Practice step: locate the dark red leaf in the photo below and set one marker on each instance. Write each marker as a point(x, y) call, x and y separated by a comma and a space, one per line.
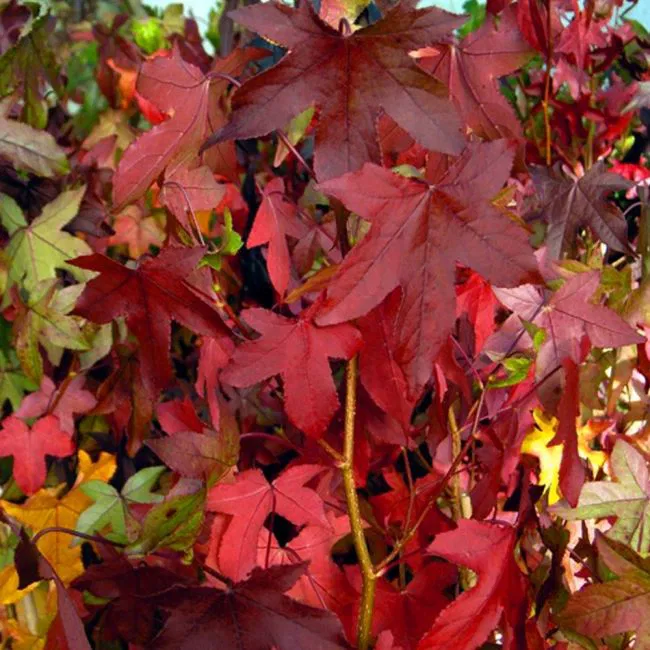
point(350, 77)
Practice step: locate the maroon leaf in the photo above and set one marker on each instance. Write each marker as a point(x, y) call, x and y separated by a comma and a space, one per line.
point(419, 232)
point(254, 614)
point(150, 297)
point(568, 204)
point(471, 69)
point(350, 77)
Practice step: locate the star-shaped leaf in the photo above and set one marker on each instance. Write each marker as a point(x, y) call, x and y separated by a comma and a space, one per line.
point(36, 250)
point(626, 498)
point(190, 97)
point(567, 317)
point(250, 500)
point(570, 203)
point(69, 399)
point(419, 233)
point(498, 598)
point(110, 507)
point(150, 297)
point(350, 77)
point(253, 614)
point(45, 509)
point(617, 605)
point(30, 445)
point(137, 230)
point(45, 320)
point(298, 351)
point(471, 69)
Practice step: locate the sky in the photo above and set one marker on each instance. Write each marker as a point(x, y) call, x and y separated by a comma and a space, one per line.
point(201, 8)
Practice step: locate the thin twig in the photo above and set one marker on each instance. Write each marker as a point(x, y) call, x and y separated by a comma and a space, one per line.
point(547, 83)
point(288, 144)
point(74, 533)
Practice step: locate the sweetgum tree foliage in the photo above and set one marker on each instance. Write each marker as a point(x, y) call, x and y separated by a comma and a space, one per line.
point(336, 339)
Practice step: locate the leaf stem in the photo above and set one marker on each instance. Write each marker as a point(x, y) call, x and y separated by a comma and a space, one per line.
point(364, 624)
point(289, 145)
point(547, 84)
point(74, 533)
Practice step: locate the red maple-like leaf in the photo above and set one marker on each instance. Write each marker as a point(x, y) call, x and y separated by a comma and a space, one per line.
point(253, 614)
point(572, 471)
point(406, 612)
point(350, 77)
point(276, 218)
point(298, 351)
point(580, 36)
point(499, 598)
point(150, 297)
point(471, 69)
point(323, 582)
point(250, 500)
point(29, 446)
point(182, 91)
point(214, 356)
point(379, 368)
point(419, 232)
point(567, 204)
point(476, 299)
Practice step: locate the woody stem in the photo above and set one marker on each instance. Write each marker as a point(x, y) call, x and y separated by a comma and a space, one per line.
point(547, 86)
point(368, 574)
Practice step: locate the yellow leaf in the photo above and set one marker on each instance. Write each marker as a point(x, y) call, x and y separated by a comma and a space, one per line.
point(45, 510)
point(102, 470)
point(31, 618)
point(21, 638)
point(9, 592)
point(550, 458)
point(535, 444)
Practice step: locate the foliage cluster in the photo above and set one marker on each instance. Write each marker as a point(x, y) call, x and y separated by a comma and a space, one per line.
point(335, 338)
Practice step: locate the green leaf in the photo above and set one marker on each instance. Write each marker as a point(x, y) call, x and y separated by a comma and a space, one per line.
point(30, 149)
point(23, 66)
point(148, 34)
point(173, 19)
point(108, 510)
point(173, 524)
point(536, 333)
point(111, 507)
point(13, 384)
point(627, 499)
point(231, 241)
point(516, 368)
point(45, 320)
point(476, 11)
point(36, 250)
point(138, 488)
point(408, 171)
